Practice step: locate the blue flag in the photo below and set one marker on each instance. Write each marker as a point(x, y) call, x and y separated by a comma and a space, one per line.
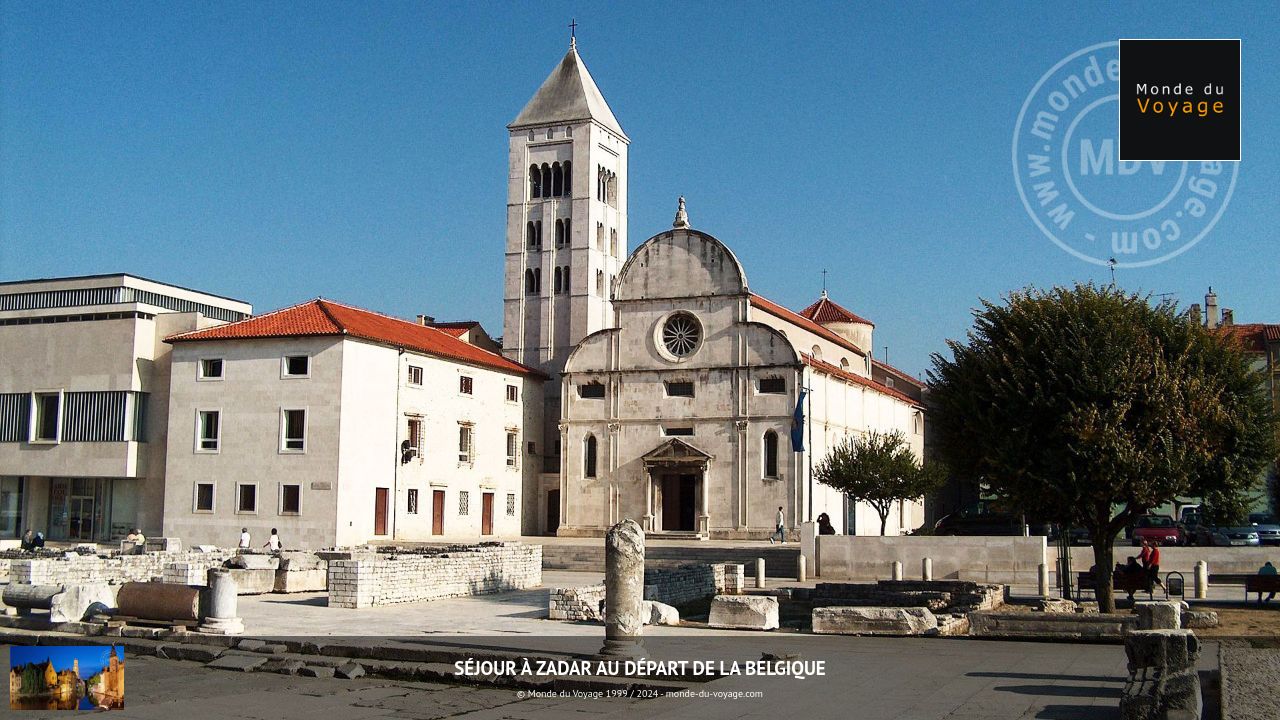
point(797, 424)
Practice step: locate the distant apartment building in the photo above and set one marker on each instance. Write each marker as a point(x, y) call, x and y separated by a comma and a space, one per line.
point(84, 399)
point(337, 426)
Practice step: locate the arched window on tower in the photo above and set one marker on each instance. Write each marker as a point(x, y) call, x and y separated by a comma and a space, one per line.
point(535, 182)
point(568, 238)
point(531, 233)
point(613, 242)
point(537, 226)
point(557, 282)
point(559, 233)
point(537, 281)
point(589, 457)
point(557, 180)
point(528, 282)
point(568, 177)
point(546, 180)
point(600, 283)
point(770, 454)
point(566, 279)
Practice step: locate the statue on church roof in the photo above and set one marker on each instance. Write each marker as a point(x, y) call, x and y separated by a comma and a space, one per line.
point(682, 218)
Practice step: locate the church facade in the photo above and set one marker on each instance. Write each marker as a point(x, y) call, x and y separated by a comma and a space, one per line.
point(679, 397)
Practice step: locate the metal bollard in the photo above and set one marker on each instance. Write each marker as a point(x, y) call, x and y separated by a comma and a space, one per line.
point(926, 569)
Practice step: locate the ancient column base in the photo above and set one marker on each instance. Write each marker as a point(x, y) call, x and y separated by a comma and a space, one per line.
point(629, 648)
point(222, 626)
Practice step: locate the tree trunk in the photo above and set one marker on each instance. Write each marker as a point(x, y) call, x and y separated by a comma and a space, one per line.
point(884, 519)
point(1103, 560)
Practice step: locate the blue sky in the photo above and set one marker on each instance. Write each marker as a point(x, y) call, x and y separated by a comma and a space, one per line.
point(276, 152)
point(92, 657)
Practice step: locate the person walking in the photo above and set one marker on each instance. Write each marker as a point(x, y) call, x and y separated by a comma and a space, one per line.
point(1150, 558)
point(780, 530)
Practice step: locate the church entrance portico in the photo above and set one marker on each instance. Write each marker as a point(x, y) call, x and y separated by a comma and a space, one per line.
point(676, 496)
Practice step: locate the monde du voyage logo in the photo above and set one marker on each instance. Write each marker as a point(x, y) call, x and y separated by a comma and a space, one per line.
point(1107, 198)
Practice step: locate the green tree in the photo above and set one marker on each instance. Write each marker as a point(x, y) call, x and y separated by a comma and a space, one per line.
point(1089, 406)
point(878, 469)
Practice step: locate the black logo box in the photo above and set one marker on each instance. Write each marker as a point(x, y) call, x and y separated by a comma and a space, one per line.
point(1187, 68)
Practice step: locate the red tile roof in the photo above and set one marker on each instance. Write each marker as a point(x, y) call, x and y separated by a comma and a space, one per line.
point(326, 317)
point(901, 374)
point(790, 316)
point(456, 329)
point(825, 311)
point(1253, 336)
point(826, 367)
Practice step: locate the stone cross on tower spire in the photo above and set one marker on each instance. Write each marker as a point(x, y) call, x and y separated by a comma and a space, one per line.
point(682, 218)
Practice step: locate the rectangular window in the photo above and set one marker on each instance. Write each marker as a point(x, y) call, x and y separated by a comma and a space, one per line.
point(246, 497)
point(290, 499)
point(773, 385)
point(415, 375)
point(888, 382)
point(533, 448)
point(679, 388)
point(413, 441)
point(293, 431)
point(465, 384)
point(47, 414)
point(464, 502)
point(204, 498)
point(677, 431)
point(210, 369)
point(465, 444)
point(208, 430)
point(513, 393)
point(296, 366)
point(511, 504)
point(412, 507)
point(593, 390)
point(513, 448)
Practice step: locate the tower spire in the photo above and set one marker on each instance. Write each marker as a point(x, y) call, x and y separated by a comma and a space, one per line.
point(682, 217)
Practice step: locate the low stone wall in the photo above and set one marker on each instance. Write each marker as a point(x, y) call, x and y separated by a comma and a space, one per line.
point(581, 603)
point(1005, 560)
point(936, 595)
point(1106, 627)
point(387, 579)
point(83, 569)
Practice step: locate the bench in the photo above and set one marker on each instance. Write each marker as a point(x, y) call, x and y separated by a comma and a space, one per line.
point(1120, 582)
point(1261, 584)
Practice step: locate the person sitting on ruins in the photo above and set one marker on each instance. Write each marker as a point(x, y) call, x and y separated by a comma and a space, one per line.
point(1268, 570)
point(138, 541)
point(38, 542)
point(824, 525)
point(1131, 569)
point(246, 541)
point(29, 540)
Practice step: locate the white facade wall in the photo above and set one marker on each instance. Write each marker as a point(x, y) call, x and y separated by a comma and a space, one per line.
point(358, 400)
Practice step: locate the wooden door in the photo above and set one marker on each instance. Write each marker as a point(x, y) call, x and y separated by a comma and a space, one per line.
point(486, 514)
point(553, 511)
point(437, 512)
point(380, 496)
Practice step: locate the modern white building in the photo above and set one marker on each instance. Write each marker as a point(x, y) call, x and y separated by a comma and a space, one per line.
point(338, 426)
point(84, 399)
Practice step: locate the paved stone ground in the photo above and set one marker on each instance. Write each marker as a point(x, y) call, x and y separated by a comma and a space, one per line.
point(869, 679)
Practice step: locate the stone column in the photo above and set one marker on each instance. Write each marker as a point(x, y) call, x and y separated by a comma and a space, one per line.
point(1202, 580)
point(759, 572)
point(1042, 578)
point(624, 589)
point(897, 570)
point(926, 569)
point(221, 618)
point(801, 575)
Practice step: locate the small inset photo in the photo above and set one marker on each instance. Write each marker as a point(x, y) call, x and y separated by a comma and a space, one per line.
point(1180, 100)
point(70, 677)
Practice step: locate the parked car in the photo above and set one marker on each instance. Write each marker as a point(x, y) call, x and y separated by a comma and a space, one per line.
point(985, 518)
point(1268, 528)
point(1078, 535)
point(1160, 529)
point(1191, 521)
point(1207, 534)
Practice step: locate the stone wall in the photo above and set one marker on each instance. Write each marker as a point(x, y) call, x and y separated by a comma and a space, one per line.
point(1006, 560)
point(84, 569)
point(674, 586)
point(387, 579)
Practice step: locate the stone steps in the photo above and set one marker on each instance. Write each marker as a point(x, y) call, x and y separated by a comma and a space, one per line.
point(780, 562)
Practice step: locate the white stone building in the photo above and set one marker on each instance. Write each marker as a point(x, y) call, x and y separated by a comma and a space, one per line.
point(695, 442)
point(338, 425)
point(84, 399)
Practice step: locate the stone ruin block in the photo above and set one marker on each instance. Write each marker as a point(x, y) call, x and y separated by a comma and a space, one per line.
point(1158, 615)
point(744, 612)
point(848, 620)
